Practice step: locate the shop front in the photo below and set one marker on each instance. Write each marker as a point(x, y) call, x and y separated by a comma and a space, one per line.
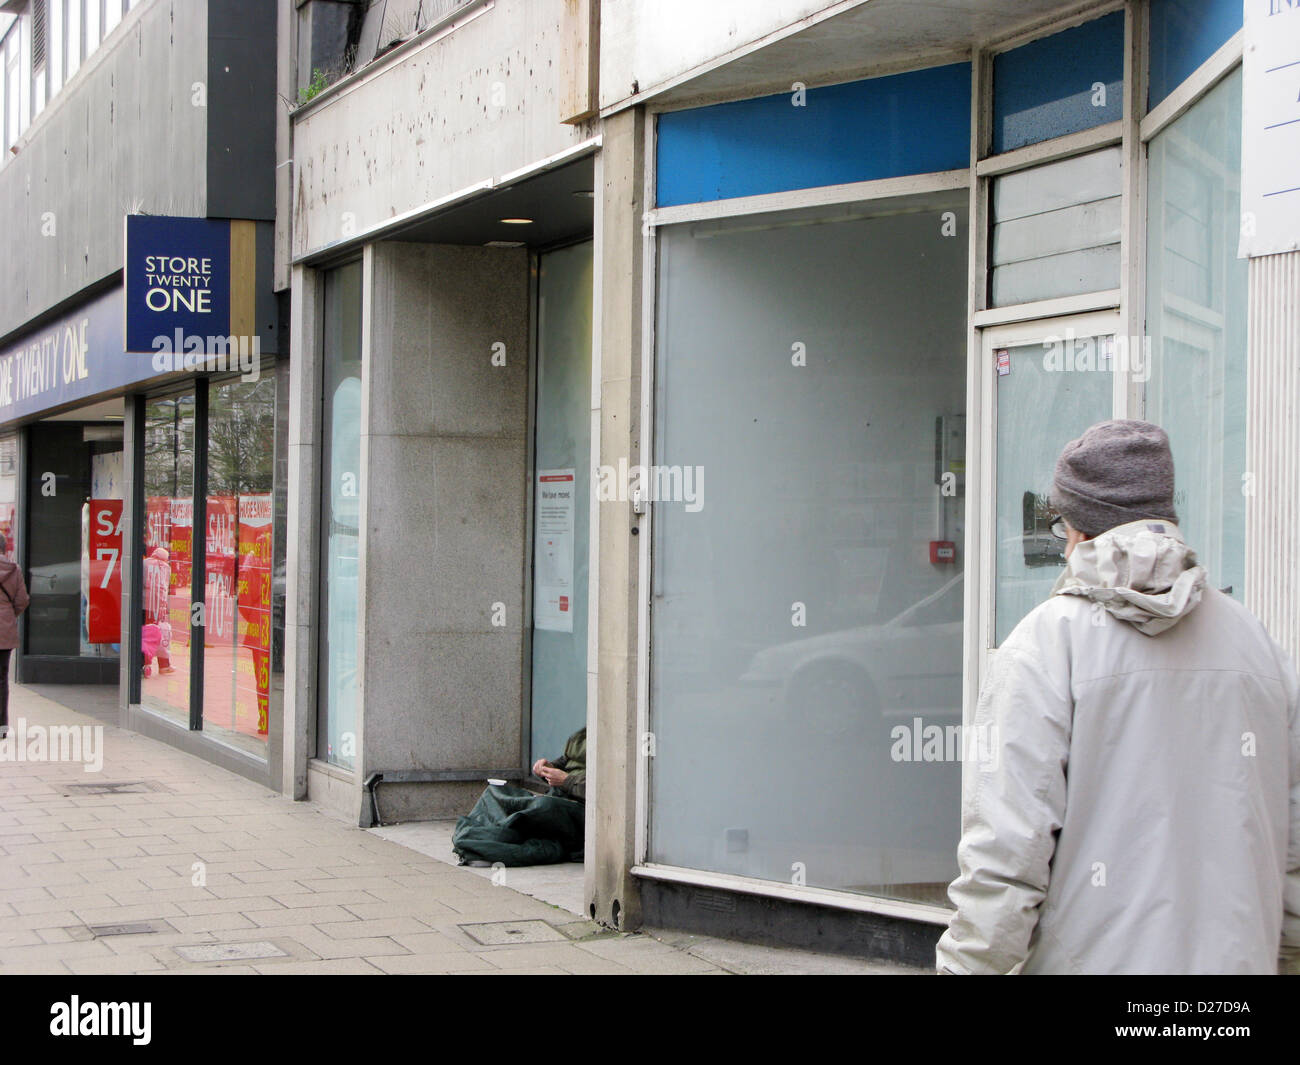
point(447, 486)
point(63, 487)
point(878, 310)
point(138, 490)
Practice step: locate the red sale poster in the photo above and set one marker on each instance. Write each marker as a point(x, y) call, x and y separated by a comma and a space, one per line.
point(219, 575)
point(104, 612)
point(180, 516)
point(254, 569)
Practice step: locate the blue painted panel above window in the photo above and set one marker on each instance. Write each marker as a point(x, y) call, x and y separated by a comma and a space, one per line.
point(1070, 81)
point(913, 123)
point(1184, 34)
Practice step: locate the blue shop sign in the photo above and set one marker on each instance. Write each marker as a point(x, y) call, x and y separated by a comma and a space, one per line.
point(73, 357)
point(177, 280)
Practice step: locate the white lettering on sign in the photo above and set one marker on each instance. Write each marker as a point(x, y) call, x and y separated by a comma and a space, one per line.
point(45, 363)
point(178, 283)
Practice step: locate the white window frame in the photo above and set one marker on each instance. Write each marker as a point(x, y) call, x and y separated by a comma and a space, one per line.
point(738, 207)
point(981, 638)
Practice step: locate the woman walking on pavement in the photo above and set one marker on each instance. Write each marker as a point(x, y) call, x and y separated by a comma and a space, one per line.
point(13, 601)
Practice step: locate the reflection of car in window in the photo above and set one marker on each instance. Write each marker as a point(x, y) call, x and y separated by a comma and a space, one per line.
point(846, 680)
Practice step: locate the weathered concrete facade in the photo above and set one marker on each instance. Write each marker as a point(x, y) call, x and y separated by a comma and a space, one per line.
point(474, 103)
point(158, 121)
point(402, 164)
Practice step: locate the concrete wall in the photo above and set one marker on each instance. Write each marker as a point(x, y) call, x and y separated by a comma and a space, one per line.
point(444, 448)
point(431, 119)
point(645, 43)
point(174, 114)
point(300, 608)
point(124, 134)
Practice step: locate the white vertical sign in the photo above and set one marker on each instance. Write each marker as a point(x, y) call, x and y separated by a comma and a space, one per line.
point(1270, 133)
point(553, 550)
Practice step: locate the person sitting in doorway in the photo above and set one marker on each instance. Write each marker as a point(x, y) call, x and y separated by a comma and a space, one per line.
point(566, 776)
point(510, 825)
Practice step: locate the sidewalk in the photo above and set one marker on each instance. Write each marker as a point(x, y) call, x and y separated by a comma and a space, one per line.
point(163, 863)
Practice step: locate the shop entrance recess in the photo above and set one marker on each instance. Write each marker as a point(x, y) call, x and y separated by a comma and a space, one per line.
point(1043, 383)
point(561, 499)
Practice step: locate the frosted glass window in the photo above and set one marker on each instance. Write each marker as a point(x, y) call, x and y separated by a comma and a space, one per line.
point(1196, 317)
point(1055, 389)
point(340, 516)
point(1056, 229)
point(810, 396)
point(563, 455)
point(1183, 34)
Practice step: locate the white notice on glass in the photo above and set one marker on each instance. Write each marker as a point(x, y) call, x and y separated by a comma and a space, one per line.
point(553, 558)
point(1270, 170)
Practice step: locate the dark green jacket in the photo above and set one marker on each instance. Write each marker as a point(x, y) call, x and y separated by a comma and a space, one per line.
point(573, 762)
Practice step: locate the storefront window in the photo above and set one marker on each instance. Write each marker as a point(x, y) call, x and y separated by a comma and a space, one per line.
point(1196, 317)
point(238, 566)
point(101, 544)
point(74, 564)
point(9, 495)
point(340, 515)
point(561, 498)
point(169, 439)
point(807, 561)
point(1048, 392)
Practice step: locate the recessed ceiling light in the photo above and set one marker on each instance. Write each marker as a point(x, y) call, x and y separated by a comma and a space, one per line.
point(586, 194)
point(505, 244)
point(517, 221)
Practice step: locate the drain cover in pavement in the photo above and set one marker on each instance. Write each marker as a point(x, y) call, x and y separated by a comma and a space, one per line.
point(132, 928)
point(231, 951)
point(113, 787)
point(499, 933)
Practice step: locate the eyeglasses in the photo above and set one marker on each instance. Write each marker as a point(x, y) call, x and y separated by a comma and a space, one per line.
point(1057, 525)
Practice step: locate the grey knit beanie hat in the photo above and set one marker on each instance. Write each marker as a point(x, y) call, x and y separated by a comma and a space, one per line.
point(1116, 472)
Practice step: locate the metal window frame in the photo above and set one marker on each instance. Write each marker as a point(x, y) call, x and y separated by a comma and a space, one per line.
point(1016, 334)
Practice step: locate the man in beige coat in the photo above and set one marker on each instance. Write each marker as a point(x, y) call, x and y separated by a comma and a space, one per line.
point(1143, 813)
point(13, 601)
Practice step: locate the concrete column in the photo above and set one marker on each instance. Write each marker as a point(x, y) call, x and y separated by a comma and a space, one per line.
point(303, 535)
point(444, 495)
point(611, 892)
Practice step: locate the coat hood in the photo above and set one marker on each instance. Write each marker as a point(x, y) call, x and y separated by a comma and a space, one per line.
point(1140, 572)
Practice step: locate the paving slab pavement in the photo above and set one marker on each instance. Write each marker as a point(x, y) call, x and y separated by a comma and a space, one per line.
point(163, 863)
